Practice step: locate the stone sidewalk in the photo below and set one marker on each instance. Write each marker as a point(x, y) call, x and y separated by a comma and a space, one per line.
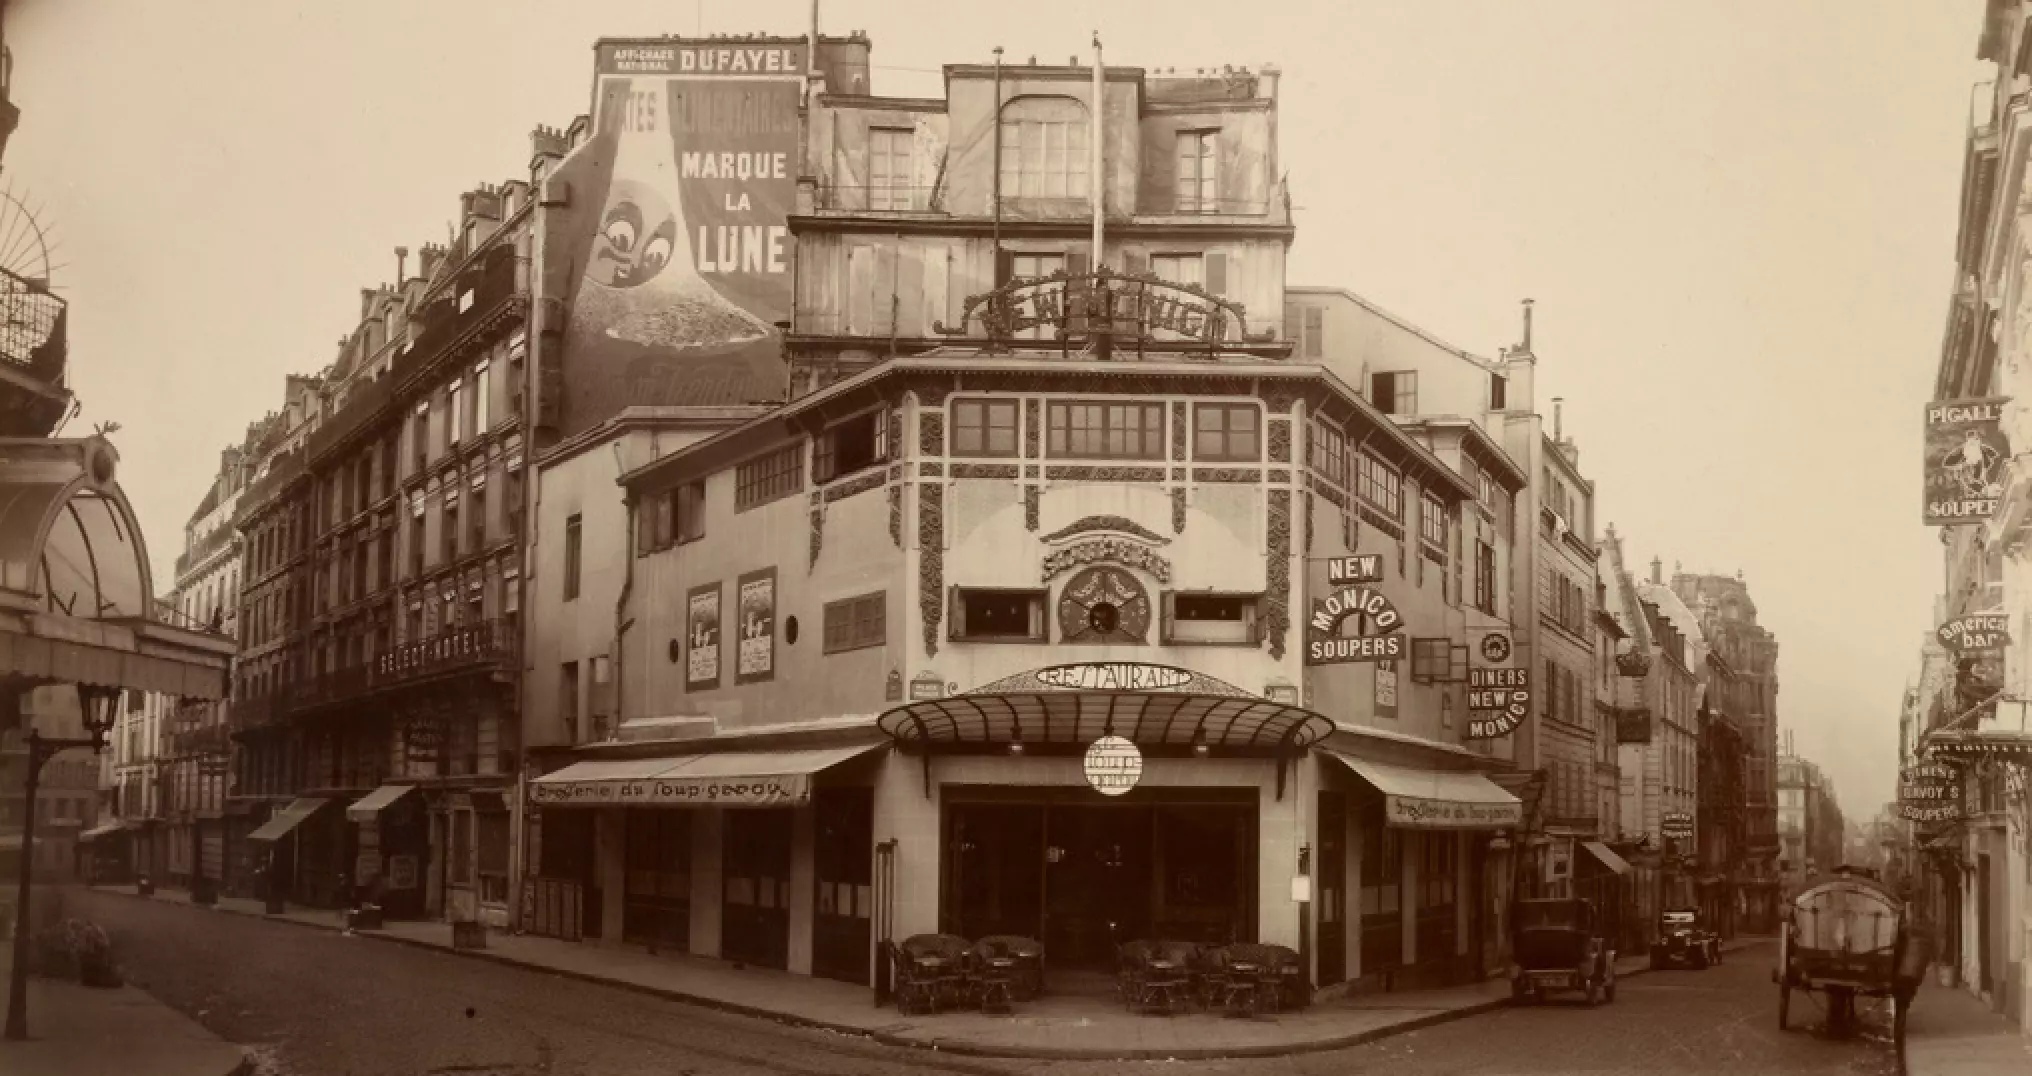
point(79, 1031)
point(1058, 1026)
point(1950, 1032)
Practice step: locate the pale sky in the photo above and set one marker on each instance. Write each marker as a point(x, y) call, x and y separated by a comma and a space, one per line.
point(1737, 219)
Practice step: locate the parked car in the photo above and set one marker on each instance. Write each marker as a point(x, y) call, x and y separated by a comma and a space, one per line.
point(1559, 946)
point(1684, 940)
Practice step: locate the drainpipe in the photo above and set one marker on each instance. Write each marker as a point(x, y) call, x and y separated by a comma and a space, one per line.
point(621, 625)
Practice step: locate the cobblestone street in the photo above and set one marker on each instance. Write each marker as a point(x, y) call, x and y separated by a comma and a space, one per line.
point(380, 1008)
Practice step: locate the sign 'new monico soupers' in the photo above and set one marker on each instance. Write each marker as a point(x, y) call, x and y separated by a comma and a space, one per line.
point(1328, 647)
point(1966, 454)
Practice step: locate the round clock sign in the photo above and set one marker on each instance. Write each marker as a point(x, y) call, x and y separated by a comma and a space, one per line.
point(1496, 647)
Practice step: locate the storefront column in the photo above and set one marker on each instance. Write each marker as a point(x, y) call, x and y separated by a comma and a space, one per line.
point(610, 865)
point(1356, 850)
point(707, 890)
point(1413, 846)
point(1463, 922)
point(903, 814)
point(803, 888)
point(1281, 826)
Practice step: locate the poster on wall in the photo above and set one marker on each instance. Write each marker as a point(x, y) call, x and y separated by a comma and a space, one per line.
point(755, 604)
point(672, 251)
point(1386, 689)
point(1966, 453)
point(702, 638)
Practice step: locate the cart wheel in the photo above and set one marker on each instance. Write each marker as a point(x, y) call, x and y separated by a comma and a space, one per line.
point(1784, 1003)
point(1699, 960)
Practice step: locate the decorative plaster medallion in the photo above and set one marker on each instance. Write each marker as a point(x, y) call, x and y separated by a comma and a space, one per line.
point(1104, 604)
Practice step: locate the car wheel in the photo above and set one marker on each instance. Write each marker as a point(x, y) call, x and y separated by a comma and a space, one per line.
point(1594, 992)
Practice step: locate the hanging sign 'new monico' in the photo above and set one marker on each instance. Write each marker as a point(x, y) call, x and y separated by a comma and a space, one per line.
point(1965, 458)
point(1974, 632)
point(1930, 792)
point(1109, 308)
point(1499, 699)
point(1381, 642)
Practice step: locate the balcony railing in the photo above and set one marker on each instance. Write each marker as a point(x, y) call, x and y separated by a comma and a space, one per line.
point(487, 645)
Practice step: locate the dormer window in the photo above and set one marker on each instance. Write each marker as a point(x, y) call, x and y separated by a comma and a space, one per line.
point(1045, 148)
point(854, 445)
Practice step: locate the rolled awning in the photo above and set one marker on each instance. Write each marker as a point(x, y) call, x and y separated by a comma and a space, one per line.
point(1437, 799)
point(281, 822)
point(105, 830)
point(734, 778)
point(369, 807)
point(1606, 857)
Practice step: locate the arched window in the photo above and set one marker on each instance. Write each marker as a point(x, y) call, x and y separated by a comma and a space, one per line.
point(1044, 148)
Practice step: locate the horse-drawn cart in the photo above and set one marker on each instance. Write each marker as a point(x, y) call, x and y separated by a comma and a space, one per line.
point(1846, 937)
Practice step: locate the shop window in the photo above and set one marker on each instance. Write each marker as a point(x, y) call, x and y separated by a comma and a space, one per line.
point(1106, 430)
point(856, 623)
point(493, 848)
point(984, 428)
point(855, 445)
point(1211, 618)
point(998, 615)
point(768, 478)
point(1227, 433)
point(461, 860)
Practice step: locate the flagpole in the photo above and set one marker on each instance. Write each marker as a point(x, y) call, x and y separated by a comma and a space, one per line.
point(1095, 179)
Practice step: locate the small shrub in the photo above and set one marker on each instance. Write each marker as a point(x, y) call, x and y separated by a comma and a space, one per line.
point(75, 949)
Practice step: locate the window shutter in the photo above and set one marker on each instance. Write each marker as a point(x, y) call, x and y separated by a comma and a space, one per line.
point(1076, 292)
point(955, 614)
point(1167, 612)
point(1217, 272)
point(645, 523)
point(1037, 617)
point(1254, 622)
point(822, 458)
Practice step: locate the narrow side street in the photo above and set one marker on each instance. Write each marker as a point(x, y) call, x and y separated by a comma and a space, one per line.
point(375, 1007)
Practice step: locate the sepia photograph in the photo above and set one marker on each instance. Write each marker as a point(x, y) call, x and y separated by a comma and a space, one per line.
point(1470, 539)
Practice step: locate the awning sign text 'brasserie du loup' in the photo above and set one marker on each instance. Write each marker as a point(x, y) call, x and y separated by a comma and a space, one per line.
point(782, 791)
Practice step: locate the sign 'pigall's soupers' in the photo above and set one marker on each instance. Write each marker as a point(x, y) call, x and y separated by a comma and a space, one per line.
point(1966, 454)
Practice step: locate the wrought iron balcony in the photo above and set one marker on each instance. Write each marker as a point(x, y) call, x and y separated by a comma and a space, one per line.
point(255, 712)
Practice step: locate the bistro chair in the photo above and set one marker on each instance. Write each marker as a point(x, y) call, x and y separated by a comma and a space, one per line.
point(931, 971)
point(1247, 979)
point(1166, 983)
point(1129, 972)
point(994, 976)
point(1289, 989)
point(1029, 955)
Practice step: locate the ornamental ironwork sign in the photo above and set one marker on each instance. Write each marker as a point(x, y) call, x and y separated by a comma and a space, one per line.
point(1094, 550)
point(1106, 309)
point(1113, 676)
point(1975, 632)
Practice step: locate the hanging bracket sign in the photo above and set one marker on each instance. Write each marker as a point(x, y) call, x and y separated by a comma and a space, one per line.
point(1930, 792)
point(1113, 765)
point(1677, 826)
point(1976, 631)
point(1328, 647)
point(1966, 456)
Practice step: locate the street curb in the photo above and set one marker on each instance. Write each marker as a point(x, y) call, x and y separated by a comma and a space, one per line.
point(959, 1048)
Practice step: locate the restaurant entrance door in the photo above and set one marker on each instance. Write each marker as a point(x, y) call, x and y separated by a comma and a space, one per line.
point(1084, 877)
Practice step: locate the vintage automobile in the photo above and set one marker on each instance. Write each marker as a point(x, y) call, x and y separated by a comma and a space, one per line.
point(1683, 940)
point(1559, 946)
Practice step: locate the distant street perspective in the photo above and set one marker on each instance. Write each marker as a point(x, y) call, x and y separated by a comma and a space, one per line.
point(1021, 551)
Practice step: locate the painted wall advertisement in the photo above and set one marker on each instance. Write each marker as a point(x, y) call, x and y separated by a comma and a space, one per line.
point(702, 638)
point(755, 604)
point(672, 252)
point(1965, 457)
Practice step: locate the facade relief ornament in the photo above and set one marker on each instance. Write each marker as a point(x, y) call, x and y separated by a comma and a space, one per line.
point(1280, 441)
point(1277, 594)
point(1095, 550)
point(896, 513)
point(1032, 443)
point(1178, 510)
point(931, 433)
point(931, 561)
point(1104, 605)
point(1105, 524)
point(1030, 499)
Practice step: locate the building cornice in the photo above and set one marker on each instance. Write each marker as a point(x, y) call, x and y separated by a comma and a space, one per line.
point(1209, 228)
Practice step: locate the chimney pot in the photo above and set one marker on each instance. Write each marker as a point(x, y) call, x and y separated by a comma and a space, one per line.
point(1657, 571)
point(1527, 325)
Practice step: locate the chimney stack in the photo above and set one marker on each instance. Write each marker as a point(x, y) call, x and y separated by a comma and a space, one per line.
point(401, 265)
point(1657, 571)
point(1558, 406)
point(1527, 325)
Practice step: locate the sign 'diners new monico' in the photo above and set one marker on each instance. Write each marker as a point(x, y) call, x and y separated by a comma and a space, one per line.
point(1976, 631)
point(1499, 699)
point(1966, 455)
point(1328, 647)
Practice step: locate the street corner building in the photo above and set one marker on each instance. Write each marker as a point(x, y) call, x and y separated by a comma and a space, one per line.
point(1056, 599)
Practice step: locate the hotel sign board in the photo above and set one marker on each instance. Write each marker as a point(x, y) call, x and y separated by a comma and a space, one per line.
point(1975, 632)
point(1966, 456)
point(1930, 792)
point(1380, 641)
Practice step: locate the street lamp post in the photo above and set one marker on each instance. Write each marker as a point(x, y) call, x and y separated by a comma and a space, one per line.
point(97, 705)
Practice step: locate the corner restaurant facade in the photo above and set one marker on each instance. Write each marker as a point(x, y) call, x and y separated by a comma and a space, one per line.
point(1036, 694)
